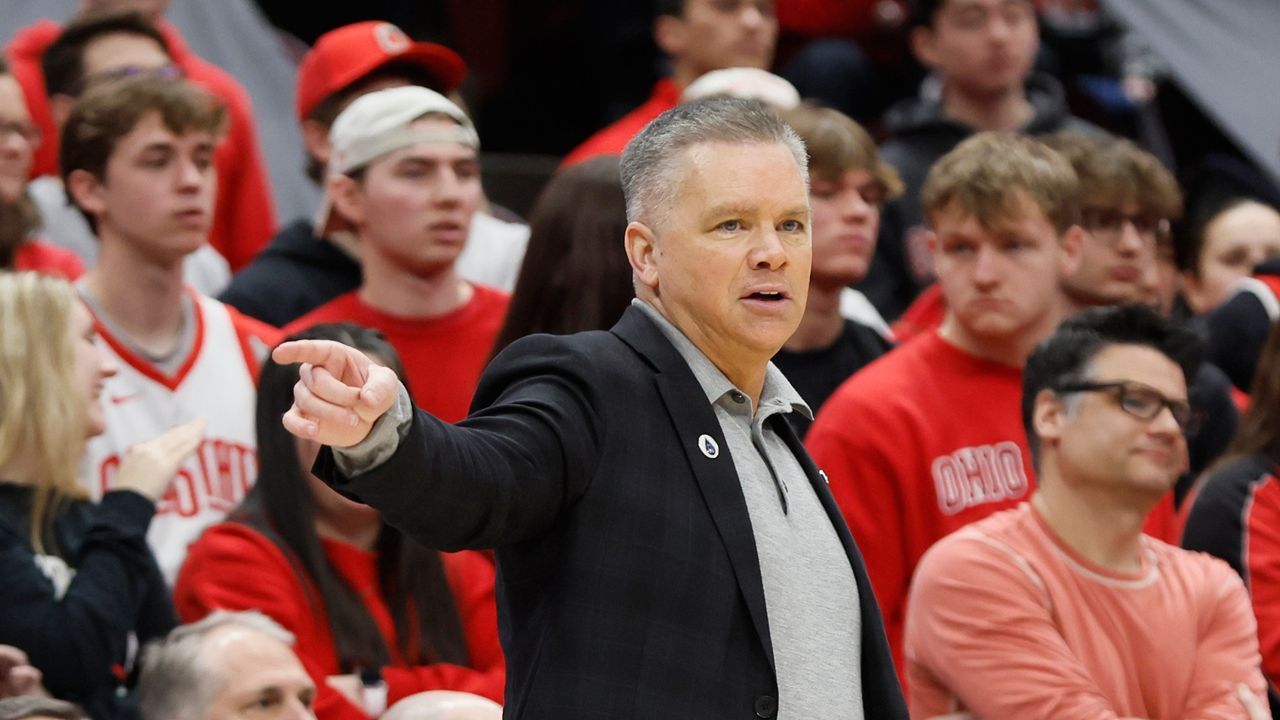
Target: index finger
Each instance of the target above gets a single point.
(328, 354)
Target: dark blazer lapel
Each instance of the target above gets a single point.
(880, 688)
(716, 477)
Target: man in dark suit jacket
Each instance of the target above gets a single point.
(666, 547)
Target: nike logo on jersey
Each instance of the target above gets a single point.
(122, 399)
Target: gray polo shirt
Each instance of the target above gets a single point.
(815, 624)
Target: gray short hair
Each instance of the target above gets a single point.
(176, 682)
(652, 156)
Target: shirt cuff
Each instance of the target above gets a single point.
(381, 442)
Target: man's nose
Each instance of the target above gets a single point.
(999, 29)
(1130, 240)
(988, 269)
(449, 189)
(191, 174)
(767, 250)
(752, 16)
(853, 206)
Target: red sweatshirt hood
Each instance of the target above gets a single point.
(30, 42)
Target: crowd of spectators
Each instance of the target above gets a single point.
(1039, 361)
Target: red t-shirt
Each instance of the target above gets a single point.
(613, 138)
(443, 356)
(918, 444)
(924, 315)
(41, 257)
(243, 217)
(233, 567)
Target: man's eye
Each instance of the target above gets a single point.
(1140, 403)
(1236, 257)
(792, 226)
(730, 225)
(872, 196)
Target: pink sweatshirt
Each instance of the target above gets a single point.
(1006, 621)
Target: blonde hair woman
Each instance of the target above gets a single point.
(80, 588)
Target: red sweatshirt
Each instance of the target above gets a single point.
(612, 139)
(41, 257)
(243, 218)
(918, 444)
(443, 356)
(234, 567)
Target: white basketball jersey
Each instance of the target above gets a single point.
(217, 383)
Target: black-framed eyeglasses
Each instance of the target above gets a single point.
(1141, 401)
(1108, 223)
(124, 71)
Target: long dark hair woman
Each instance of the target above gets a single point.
(371, 609)
(575, 275)
(1236, 513)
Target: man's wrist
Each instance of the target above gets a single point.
(381, 442)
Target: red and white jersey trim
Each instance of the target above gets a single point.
(217, 383)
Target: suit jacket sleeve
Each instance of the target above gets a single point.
(505, 473)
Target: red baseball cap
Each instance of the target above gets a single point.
(341, 57)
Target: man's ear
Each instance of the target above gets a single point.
(671, 34)
(1048, 416)
(60, 107)
(1071, 245)
(930, 244)
(86, 191)
(641, 247)
(315, 136)
(344, 193)
(922, 45)
(1193, 289)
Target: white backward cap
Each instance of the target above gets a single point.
(381, 122)
(744, 82)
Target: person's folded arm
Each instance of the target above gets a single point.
(1227, 651)
(981, 624)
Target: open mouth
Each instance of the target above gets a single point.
(767, 296)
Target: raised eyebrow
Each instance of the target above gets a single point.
(730, 209)
(414, 161)
(1135, 385)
